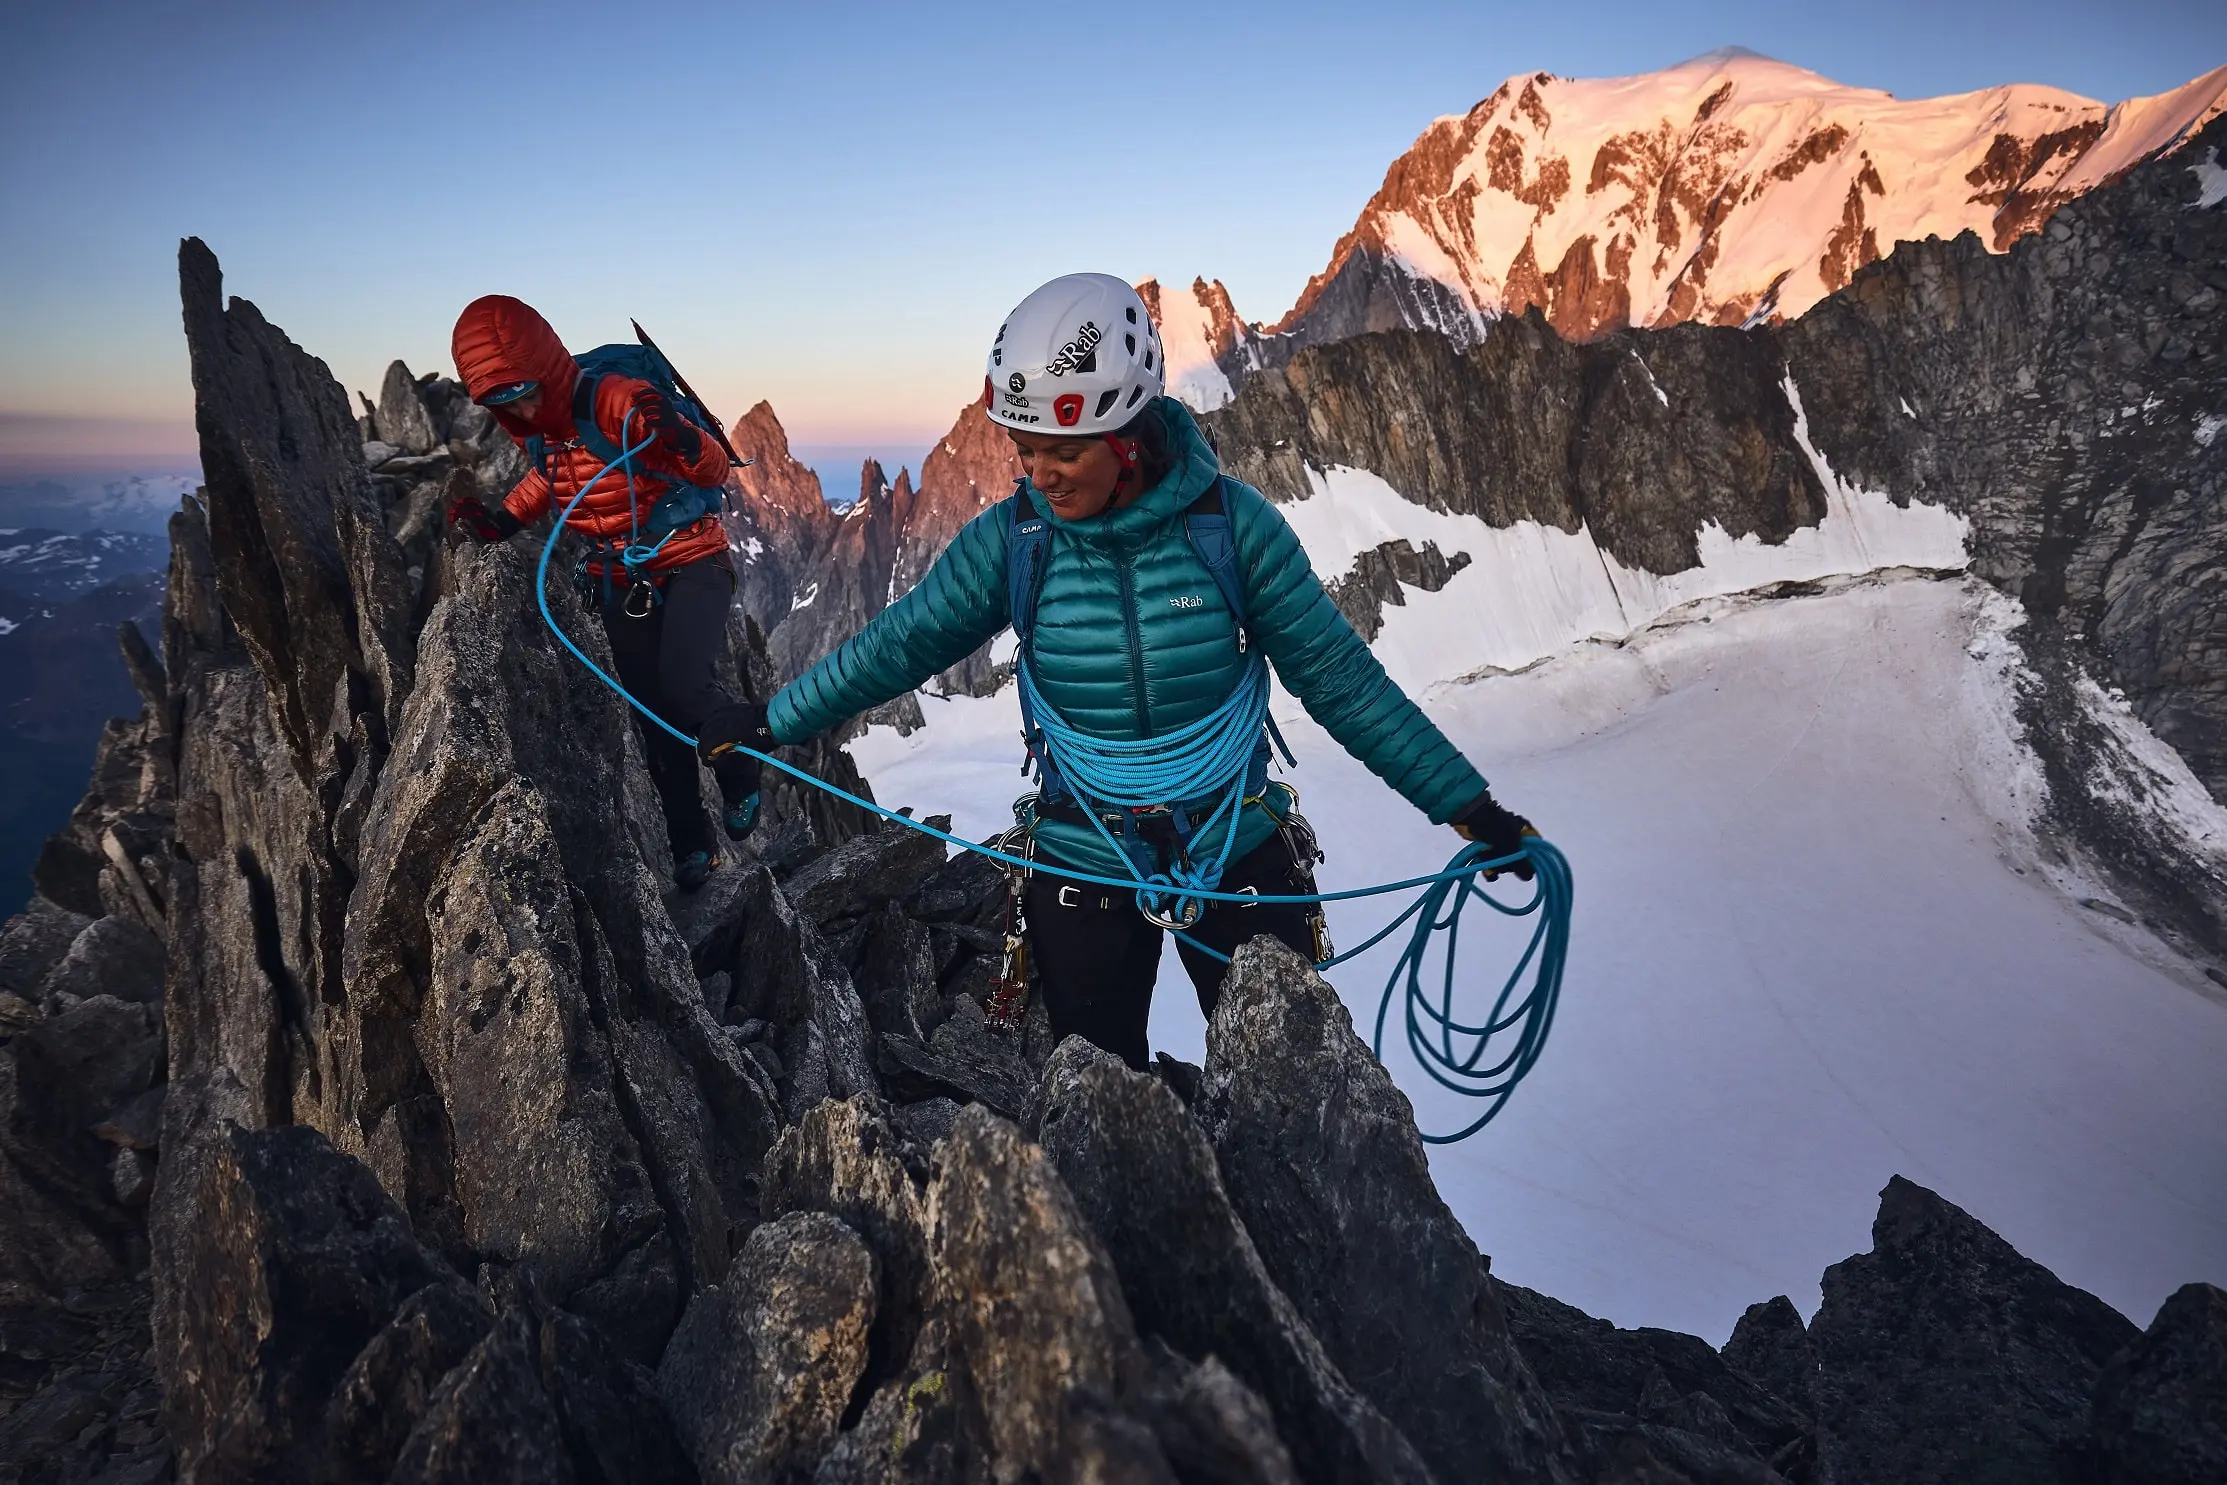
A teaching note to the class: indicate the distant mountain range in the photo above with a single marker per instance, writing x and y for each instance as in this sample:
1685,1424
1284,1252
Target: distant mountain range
62,597
45,567
1728,189
139,503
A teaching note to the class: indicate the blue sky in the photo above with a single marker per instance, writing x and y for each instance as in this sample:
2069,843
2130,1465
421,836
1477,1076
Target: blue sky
823,205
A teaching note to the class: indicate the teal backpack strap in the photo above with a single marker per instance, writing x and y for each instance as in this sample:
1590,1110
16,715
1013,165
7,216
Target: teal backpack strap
1028,550
1207,525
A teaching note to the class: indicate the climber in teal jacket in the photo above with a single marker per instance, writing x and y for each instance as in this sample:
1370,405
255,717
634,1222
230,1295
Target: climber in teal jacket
1131,638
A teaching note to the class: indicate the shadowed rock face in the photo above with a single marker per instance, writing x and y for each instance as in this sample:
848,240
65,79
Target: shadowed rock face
1659,1390
759,1372
2161,1407
2065,397
1145,1178
456,1149
1989,1360
1324,1163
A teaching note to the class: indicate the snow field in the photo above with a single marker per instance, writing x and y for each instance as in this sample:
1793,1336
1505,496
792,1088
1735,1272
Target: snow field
1531,591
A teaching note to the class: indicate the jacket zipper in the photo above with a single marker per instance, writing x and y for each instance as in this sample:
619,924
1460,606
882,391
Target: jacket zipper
1136,644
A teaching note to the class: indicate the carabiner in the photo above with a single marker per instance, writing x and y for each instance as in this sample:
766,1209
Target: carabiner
1192,909
643,592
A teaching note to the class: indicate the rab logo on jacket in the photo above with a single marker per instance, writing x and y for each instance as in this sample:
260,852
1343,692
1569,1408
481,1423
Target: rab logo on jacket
1079,354
1068,408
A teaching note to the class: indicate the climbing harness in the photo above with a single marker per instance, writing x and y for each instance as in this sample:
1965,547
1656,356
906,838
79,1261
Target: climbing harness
1215,767
1194,762
1451,1051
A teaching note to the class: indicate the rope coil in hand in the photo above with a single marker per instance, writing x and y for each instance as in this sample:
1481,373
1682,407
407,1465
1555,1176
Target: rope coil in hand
1449,1049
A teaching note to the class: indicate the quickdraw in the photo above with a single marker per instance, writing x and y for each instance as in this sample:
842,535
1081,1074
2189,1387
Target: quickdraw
1009,988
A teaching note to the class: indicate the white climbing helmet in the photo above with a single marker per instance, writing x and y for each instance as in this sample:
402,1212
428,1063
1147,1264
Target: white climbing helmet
1080,355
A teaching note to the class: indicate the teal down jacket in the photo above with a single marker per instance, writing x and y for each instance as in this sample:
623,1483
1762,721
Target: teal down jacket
1133,639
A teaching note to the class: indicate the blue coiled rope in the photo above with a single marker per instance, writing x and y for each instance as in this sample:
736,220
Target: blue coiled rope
1451,1051
1192,762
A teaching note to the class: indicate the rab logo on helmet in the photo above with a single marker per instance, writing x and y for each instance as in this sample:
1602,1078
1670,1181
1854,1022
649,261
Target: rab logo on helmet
1079,354
1068,408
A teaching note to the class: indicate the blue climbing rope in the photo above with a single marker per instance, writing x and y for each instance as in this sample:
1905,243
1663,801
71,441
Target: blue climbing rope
634,554
1195,761
1192,763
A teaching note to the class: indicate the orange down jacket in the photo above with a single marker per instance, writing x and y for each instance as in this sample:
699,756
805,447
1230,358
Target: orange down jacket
500,339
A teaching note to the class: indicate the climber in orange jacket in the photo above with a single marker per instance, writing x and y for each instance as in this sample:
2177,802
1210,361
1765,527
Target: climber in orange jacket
666,612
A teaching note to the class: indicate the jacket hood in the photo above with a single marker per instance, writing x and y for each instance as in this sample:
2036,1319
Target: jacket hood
499,339
1128,527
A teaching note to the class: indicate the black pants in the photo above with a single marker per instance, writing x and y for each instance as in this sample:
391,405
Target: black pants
670,659
1097,958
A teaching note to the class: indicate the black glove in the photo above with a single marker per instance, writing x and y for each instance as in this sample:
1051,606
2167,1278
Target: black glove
469,515
656,414
740,723
1498,829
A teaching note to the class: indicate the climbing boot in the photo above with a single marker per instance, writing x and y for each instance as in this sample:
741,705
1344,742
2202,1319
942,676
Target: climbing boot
692,870
742,816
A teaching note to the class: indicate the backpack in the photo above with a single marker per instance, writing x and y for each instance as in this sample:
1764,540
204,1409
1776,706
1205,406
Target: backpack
680,505
1028,547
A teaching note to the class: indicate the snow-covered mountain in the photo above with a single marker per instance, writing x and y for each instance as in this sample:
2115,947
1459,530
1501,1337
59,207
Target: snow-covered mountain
1726,189
49,565
1204,340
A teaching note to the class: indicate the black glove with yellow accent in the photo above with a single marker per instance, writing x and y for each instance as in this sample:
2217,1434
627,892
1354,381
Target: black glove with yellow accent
738,723
1500,830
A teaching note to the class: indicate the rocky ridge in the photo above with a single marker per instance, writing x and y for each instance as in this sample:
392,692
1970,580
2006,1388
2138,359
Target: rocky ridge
811,576
391,1123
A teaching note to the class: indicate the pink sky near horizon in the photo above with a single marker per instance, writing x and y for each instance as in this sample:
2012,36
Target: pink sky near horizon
37,446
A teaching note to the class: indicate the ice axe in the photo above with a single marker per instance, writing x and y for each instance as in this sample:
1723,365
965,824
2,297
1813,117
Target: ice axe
718,429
